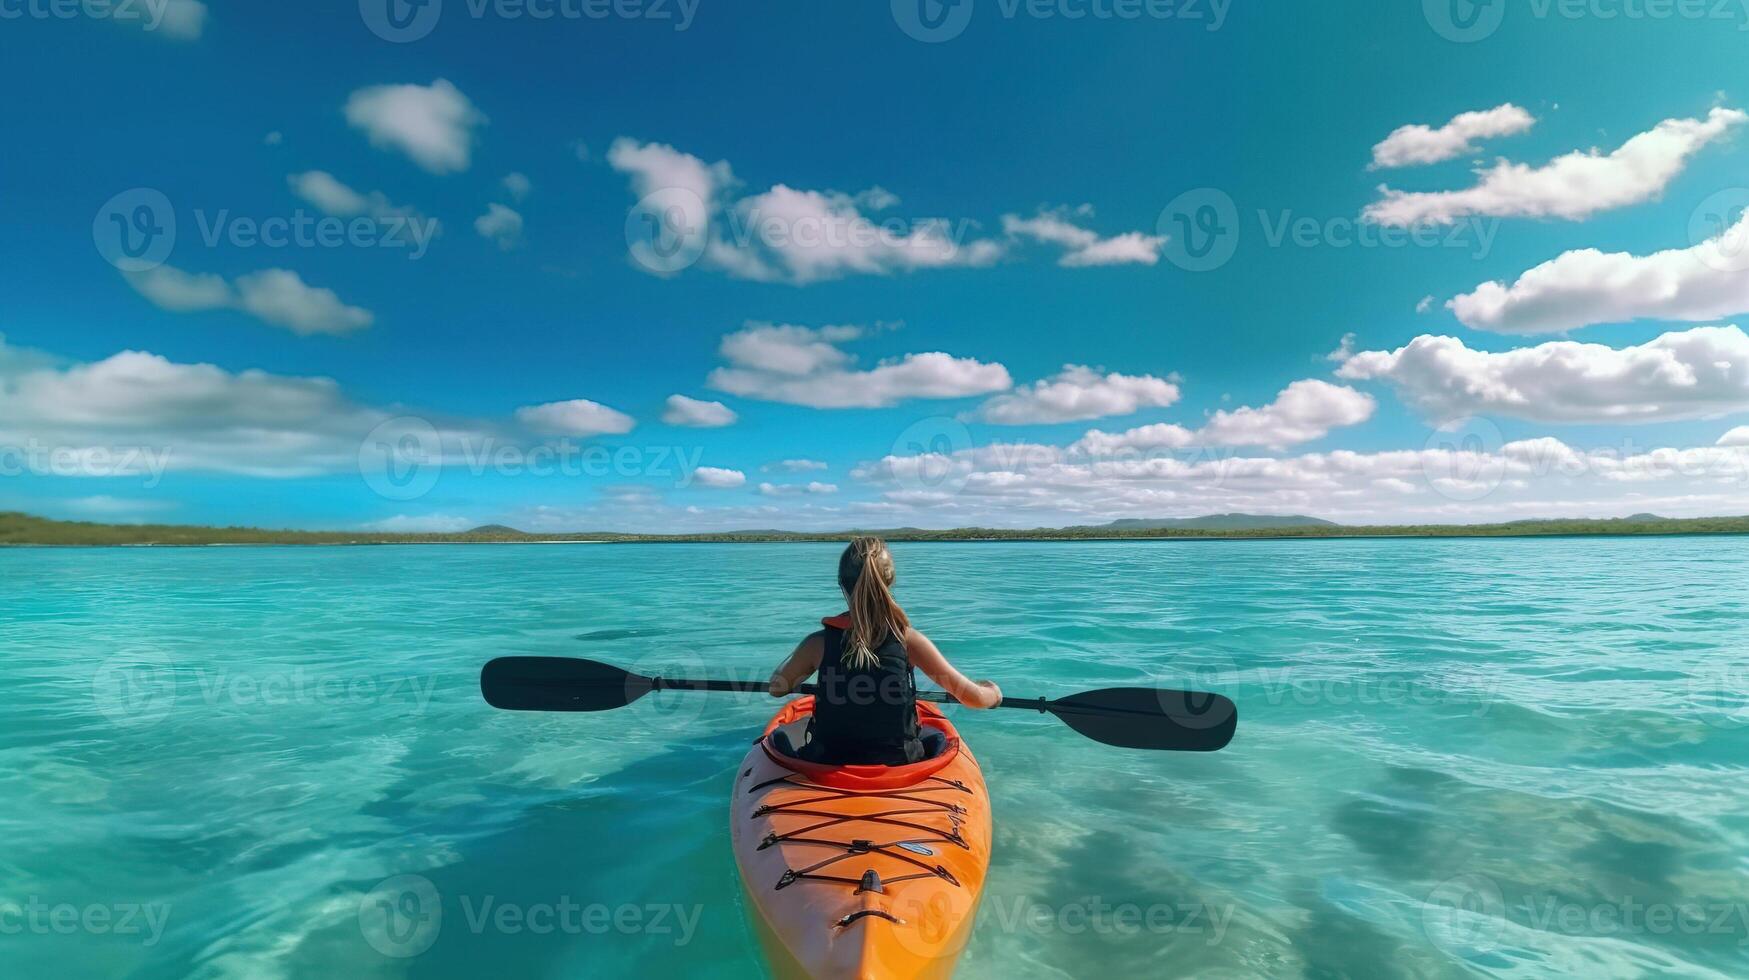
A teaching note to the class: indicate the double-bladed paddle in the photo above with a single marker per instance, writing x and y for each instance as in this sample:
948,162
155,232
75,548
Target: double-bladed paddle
1127,717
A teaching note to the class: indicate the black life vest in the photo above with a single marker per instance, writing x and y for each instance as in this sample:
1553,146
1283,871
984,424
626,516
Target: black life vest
864,715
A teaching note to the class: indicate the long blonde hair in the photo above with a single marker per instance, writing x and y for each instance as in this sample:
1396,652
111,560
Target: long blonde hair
866,574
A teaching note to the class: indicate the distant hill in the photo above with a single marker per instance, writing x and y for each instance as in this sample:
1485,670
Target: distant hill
1218,522
498,530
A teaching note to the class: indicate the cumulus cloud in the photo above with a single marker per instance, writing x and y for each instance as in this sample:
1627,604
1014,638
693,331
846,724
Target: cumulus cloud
717,478
1421,144
1586,286
433,124
1301,412
1572,187
790,234
1081,246
814,487
500,225
1021,484
1736,437
576,417
805,366
1697,373
681,410
518,185
135,412
328,194
276,296
794,466
1077,393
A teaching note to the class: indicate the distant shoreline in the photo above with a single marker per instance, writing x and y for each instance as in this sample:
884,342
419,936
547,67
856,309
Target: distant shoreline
26,531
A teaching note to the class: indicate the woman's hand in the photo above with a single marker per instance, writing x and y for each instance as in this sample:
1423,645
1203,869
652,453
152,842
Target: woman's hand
779,686
990,694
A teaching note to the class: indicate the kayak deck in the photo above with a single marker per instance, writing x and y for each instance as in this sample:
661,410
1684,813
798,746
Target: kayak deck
862,871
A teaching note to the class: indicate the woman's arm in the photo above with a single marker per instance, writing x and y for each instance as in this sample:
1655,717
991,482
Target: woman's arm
927,658
800,665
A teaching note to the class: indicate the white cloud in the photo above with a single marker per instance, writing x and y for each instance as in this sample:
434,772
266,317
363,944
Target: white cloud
422,524
1697,373
1736,437
794,466
577,417
1301,412
274,138
1028,485
434,124
681,410
717,478
1082,247
793,489
804,366
135,412
501,225
1586,286
280,297
1420,144
788,234
276,296
332,197
1078,393
1572,187
518,185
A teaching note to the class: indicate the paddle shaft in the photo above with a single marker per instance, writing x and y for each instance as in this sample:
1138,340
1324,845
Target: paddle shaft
758,687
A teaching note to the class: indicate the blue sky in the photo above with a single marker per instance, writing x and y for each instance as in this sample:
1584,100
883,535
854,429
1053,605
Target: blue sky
949,267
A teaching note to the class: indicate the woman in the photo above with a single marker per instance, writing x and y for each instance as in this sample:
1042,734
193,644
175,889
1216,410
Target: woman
865,711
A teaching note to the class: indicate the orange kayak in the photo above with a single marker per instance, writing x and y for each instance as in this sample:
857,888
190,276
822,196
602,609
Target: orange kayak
861,871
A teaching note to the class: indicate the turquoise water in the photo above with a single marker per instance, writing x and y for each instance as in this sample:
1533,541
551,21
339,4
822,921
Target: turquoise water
1500,758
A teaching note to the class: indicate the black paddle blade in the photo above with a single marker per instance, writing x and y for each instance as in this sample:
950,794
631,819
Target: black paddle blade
559,684
1145,718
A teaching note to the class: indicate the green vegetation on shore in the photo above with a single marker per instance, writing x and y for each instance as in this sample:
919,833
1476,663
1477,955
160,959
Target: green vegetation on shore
23,530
